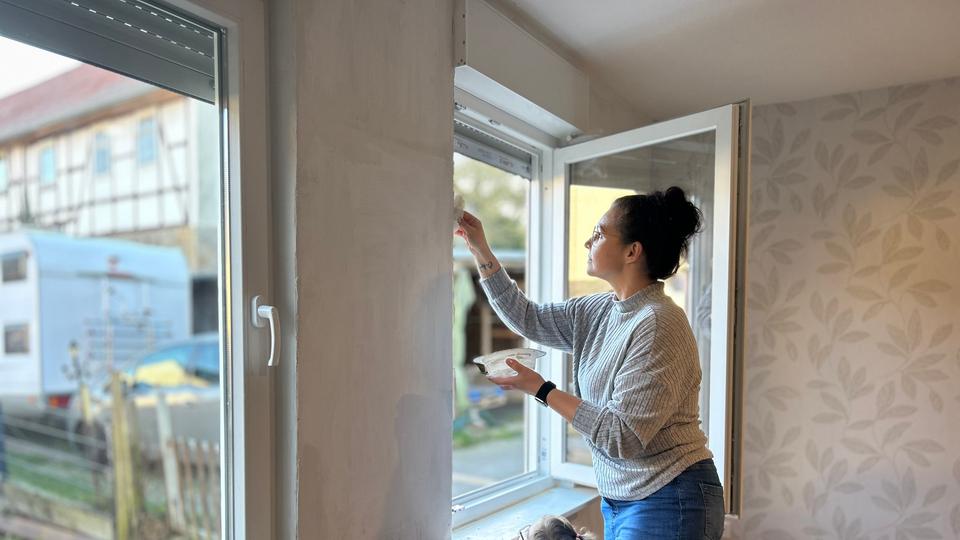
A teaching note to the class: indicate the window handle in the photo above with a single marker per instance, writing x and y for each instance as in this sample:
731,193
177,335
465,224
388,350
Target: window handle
263,314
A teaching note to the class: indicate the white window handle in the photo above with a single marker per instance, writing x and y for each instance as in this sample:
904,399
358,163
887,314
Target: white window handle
261,313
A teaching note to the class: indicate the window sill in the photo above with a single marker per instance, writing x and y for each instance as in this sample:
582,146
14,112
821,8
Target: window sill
506,523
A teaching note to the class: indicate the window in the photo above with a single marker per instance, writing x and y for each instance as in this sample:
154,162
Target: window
700,153
121,37
101,153
48,165
594,185
575,187
3,173
14,266
496,433
147,141
16,339
489,421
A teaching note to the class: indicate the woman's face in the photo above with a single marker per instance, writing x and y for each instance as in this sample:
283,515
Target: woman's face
605,258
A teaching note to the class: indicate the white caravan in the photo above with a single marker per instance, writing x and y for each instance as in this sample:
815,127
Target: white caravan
92,303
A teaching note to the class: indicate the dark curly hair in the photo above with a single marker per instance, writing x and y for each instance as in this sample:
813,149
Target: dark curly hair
557,528
663,222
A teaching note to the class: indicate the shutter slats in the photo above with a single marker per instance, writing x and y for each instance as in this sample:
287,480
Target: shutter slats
131,37
155,21
476,144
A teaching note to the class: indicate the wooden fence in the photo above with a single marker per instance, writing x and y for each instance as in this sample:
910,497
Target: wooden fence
198,467
191,471
58,476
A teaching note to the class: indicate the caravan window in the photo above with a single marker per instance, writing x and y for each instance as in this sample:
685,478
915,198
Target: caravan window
14,267
16,339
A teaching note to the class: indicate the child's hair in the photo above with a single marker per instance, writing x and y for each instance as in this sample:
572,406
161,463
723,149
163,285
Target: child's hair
557,528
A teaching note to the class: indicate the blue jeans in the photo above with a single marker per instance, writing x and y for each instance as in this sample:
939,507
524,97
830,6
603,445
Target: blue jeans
690,507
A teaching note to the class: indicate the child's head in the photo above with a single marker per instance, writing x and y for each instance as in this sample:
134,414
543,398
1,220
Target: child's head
556,528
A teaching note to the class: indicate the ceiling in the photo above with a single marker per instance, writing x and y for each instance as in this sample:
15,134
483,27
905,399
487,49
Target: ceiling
672,57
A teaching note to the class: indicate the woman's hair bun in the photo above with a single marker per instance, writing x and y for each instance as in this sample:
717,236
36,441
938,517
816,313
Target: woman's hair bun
675,195
686,217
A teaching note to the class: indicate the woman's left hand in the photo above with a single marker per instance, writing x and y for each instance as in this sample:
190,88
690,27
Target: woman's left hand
526,379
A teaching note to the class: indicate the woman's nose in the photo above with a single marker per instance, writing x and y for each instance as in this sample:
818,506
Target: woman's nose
587,244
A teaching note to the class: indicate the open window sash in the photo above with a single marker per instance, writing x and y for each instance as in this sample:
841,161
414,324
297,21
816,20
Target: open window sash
705,154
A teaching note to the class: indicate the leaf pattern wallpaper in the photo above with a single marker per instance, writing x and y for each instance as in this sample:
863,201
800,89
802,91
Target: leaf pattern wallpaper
852,369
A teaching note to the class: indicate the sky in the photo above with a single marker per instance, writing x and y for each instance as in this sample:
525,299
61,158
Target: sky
22,66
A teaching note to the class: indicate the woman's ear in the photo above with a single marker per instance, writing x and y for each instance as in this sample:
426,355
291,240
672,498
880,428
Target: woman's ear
634,252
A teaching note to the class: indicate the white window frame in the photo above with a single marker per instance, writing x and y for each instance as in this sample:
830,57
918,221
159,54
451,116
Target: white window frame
485,501
249,492
722,397
248,485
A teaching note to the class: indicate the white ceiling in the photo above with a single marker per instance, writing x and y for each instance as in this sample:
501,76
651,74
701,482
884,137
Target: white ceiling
673,57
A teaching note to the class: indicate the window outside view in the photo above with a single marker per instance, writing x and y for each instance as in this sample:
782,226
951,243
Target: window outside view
488,427
110,360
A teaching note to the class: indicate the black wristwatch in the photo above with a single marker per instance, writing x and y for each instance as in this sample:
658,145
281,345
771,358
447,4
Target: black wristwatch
545,389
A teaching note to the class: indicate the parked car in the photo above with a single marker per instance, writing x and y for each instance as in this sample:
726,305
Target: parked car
187,373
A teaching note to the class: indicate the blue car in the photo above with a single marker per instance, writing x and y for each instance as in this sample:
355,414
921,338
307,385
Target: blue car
188,375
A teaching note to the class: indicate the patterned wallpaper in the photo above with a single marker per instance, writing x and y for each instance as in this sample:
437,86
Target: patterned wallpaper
852,427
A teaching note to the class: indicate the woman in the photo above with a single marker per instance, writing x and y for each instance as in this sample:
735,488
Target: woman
635,364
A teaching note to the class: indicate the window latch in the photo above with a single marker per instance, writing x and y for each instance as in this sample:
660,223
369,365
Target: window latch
262,315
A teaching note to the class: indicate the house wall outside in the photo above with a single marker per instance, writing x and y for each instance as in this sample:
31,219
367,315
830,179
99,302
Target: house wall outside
158,202
852,366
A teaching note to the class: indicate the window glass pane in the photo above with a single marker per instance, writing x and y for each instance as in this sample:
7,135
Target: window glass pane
146,141
122,298
16,339
14,267
48,165
3,173
687,162
101,154
488,429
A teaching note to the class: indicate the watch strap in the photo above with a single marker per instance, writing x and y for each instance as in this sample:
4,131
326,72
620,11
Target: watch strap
545,389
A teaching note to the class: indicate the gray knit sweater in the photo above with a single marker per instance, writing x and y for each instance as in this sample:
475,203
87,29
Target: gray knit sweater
636,368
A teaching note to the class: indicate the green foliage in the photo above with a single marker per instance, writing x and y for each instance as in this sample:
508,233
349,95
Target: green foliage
498,198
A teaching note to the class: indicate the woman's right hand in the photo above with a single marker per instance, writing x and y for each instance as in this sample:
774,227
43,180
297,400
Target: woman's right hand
471,230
